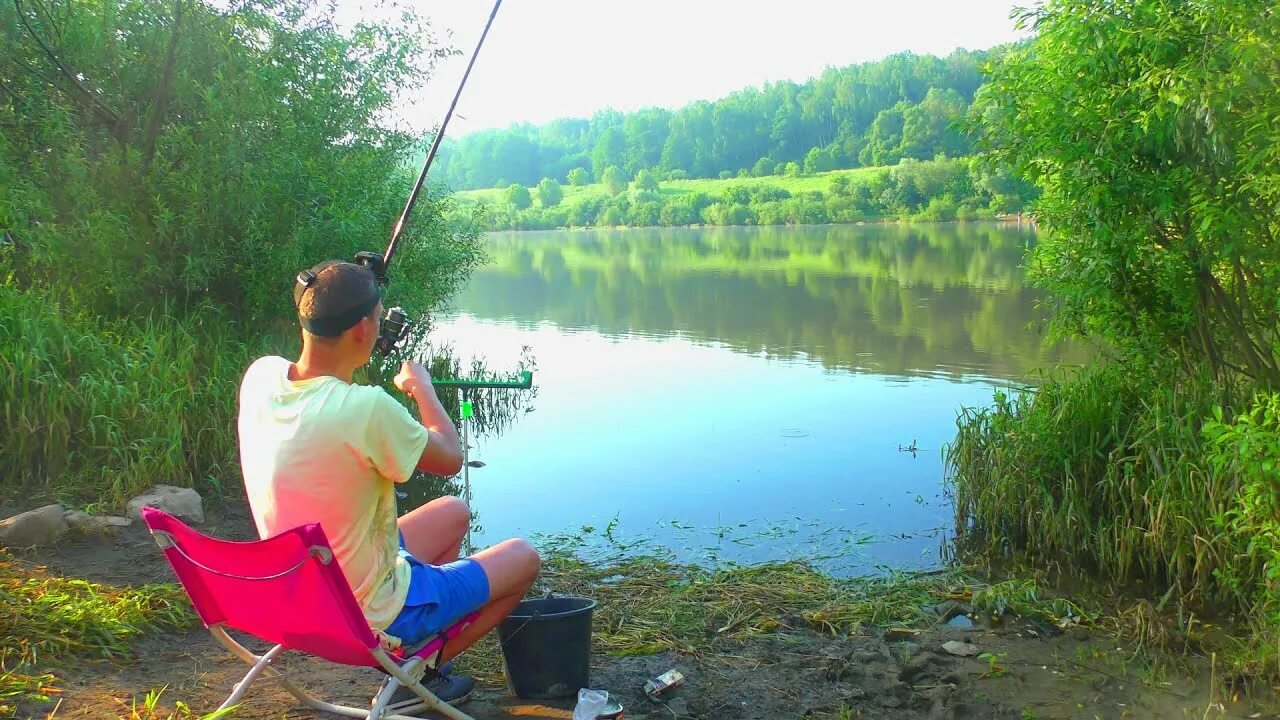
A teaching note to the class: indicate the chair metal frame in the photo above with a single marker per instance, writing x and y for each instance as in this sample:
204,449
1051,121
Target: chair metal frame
409,674
403,669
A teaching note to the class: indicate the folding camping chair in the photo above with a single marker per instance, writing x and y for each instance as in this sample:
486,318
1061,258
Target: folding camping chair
288,590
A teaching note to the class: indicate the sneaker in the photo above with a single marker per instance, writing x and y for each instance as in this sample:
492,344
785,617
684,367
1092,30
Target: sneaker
451,688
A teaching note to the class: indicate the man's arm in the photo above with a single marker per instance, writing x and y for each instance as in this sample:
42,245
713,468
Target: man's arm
443,454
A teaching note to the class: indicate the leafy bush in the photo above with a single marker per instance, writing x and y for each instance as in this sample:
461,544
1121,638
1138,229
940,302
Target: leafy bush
1248,446
1115,471
1160,175
175,151
518,196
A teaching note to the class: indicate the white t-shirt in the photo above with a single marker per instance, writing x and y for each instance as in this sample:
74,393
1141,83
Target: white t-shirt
323,450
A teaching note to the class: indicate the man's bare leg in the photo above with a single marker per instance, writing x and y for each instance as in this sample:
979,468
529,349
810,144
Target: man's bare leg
511,567
433,533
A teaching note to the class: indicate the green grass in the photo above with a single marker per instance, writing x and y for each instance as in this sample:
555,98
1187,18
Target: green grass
45,618
820,182
1024,598
649,604
96,411
149,709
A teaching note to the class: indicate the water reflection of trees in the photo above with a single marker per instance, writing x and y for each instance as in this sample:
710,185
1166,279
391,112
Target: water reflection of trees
893,299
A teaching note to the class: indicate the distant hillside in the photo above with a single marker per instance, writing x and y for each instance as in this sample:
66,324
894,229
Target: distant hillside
921,190
875,113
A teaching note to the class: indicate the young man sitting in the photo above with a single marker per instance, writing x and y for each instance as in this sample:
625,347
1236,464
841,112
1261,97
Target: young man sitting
316,448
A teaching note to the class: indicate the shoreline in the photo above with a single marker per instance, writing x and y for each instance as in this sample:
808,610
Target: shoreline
1028,220
755,642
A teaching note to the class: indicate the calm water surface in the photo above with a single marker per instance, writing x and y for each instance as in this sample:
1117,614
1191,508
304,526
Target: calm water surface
745,394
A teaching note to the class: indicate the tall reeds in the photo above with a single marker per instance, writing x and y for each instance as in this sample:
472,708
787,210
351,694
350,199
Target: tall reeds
96,410
1137,478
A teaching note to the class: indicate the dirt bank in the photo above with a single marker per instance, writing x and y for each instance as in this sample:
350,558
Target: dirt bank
869,673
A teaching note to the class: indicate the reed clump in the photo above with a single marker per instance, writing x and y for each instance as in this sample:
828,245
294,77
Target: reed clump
1146,483
98,410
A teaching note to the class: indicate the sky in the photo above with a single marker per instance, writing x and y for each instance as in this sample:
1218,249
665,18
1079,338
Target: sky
545,59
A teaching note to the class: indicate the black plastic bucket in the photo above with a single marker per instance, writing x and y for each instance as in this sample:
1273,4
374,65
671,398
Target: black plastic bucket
546,647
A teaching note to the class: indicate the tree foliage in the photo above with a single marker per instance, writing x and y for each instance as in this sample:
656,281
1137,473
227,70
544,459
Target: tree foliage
550,193
614,181
645,181
170,152
1150,125
166,168
518,196
819,160
903,106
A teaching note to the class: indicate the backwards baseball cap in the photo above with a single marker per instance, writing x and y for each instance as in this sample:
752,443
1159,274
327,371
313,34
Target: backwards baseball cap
333,296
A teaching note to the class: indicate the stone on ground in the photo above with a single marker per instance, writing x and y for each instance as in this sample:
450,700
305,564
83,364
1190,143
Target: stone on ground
42,526
961,649
83,522
182,503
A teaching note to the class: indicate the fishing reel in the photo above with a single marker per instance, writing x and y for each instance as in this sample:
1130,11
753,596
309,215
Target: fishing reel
394,328
395,324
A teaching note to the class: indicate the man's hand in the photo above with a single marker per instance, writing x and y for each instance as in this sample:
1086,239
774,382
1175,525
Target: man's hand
443,454
412,379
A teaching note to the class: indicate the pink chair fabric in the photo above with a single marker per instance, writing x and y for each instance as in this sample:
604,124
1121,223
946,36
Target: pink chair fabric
287,589
290,591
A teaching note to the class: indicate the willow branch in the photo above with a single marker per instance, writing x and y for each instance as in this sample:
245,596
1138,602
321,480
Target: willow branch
5,86
43,11
75,82
152,131
48,81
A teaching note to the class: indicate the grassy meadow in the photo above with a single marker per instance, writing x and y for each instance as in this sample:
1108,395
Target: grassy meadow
934,190
576,194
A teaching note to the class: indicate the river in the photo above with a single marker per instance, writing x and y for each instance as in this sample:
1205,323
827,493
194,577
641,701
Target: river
745,394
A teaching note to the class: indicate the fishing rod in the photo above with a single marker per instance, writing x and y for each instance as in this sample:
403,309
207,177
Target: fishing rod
396,323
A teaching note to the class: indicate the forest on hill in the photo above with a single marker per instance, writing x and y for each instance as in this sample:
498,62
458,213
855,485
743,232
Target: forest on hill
872,114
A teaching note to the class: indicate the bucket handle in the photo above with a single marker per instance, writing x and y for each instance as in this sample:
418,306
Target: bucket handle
536,614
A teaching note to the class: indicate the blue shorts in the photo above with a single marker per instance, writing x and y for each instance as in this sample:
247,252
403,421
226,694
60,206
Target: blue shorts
439,595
